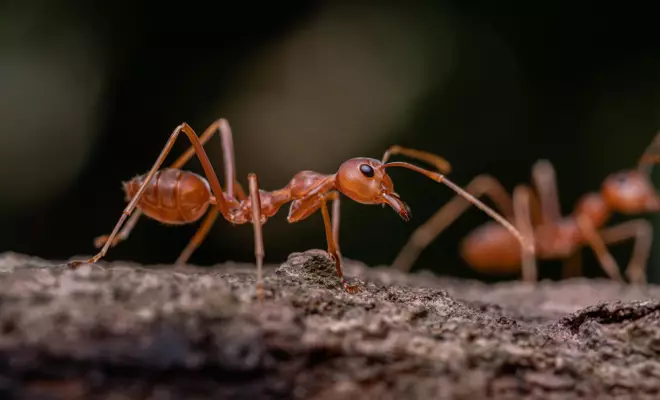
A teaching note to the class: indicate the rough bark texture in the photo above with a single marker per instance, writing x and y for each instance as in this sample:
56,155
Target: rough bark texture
134,332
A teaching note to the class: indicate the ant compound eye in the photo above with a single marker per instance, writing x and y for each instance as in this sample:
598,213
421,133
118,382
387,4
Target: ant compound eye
367,170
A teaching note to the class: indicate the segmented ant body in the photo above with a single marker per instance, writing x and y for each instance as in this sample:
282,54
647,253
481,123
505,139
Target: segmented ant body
537,214
175,196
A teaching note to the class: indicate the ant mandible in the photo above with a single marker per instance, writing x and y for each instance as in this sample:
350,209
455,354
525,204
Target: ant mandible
491,249
175,196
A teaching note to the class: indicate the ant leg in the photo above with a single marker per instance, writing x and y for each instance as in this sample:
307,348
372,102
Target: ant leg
199,237
572,266
233,187
221,203
522,196
335,217
122,235
545,182
205,228
240,193
598,245
426,233
640,230
257,222
220,125
650,156
333,249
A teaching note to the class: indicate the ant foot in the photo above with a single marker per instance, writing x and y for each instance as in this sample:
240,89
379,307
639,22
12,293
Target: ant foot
76,264
636,275
352,289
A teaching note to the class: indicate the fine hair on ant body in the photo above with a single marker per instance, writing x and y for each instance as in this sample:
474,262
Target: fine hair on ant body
175,196
491,249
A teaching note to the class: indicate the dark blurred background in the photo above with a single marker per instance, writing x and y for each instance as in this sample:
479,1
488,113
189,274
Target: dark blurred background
90,91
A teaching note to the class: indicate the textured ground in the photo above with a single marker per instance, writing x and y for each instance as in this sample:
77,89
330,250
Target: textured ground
126,331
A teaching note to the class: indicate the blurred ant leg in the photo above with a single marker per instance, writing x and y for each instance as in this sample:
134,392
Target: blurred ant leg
257,221
208,170
334,196
240,193
597,244
333,250
438,162
522,196
123,234
572,266
650,156
199,237
545,182
482,185
221,126
640,230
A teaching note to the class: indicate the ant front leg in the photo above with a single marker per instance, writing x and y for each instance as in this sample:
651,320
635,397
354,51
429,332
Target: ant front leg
482,185
216,189
332,236
303,208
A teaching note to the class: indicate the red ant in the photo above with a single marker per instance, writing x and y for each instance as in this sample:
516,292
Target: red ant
174,196
489,248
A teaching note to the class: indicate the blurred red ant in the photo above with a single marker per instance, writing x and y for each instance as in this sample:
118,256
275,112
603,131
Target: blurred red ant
491,249
174,196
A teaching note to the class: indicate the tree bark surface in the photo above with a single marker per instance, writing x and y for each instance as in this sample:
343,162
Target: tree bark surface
125,331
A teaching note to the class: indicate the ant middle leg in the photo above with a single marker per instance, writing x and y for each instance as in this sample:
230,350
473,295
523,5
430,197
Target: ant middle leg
650,156
599,247
482,185
545,182
642,232
257,222
216,189
522,199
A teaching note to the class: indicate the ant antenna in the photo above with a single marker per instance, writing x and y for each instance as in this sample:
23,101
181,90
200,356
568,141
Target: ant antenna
442,179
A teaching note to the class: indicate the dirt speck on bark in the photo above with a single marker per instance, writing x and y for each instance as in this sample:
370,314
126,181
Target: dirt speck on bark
121,330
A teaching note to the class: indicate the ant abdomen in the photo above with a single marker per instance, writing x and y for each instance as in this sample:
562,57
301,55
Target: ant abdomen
173,196
492,248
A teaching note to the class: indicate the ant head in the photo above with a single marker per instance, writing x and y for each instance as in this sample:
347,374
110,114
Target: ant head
365,181
630,192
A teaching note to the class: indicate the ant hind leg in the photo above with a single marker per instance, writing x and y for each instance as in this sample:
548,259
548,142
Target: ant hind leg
208,170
